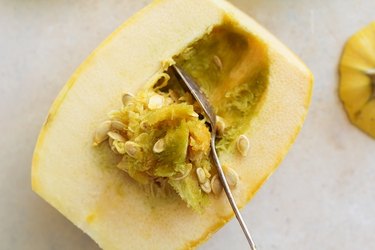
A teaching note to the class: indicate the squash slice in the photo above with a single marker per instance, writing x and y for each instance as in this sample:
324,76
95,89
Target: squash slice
357,79
80,181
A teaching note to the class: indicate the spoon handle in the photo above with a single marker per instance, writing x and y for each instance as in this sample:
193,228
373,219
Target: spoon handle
230,195
199,96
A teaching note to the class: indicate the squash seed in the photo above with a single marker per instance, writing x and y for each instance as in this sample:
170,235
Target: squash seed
126,98
118,125
231,176
216,186
113,148
101,132
201,175
132,149
155,102
220,125
218,62
206,186
243,145
119,146
159,146
116,136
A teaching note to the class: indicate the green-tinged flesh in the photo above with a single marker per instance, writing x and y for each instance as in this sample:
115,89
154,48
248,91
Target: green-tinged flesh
236,88
190,192
232,68
173,158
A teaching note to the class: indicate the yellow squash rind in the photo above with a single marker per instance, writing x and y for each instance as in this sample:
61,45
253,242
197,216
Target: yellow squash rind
357,79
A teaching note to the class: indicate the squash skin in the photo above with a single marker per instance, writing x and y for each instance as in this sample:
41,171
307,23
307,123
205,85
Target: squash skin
91,207
356,88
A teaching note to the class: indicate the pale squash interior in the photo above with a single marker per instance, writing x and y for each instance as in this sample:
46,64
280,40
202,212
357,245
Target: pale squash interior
232,68
236,86
103,201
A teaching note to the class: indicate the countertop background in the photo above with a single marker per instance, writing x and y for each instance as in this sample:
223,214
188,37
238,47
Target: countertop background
321,197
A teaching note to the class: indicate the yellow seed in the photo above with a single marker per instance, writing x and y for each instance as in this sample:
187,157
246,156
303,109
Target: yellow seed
116,136
155,102
119,146
206,186
132,149
231,176
126,98
118,125
159,146
243,145
201,175
110,142
216,186
101,132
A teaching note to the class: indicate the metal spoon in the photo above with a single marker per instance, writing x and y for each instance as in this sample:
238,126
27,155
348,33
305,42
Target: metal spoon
207,108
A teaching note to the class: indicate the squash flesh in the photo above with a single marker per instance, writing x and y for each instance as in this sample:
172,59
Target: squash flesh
99,201
232,69
235,89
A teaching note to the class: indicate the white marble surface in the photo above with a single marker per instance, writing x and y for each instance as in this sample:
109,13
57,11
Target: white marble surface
322,195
